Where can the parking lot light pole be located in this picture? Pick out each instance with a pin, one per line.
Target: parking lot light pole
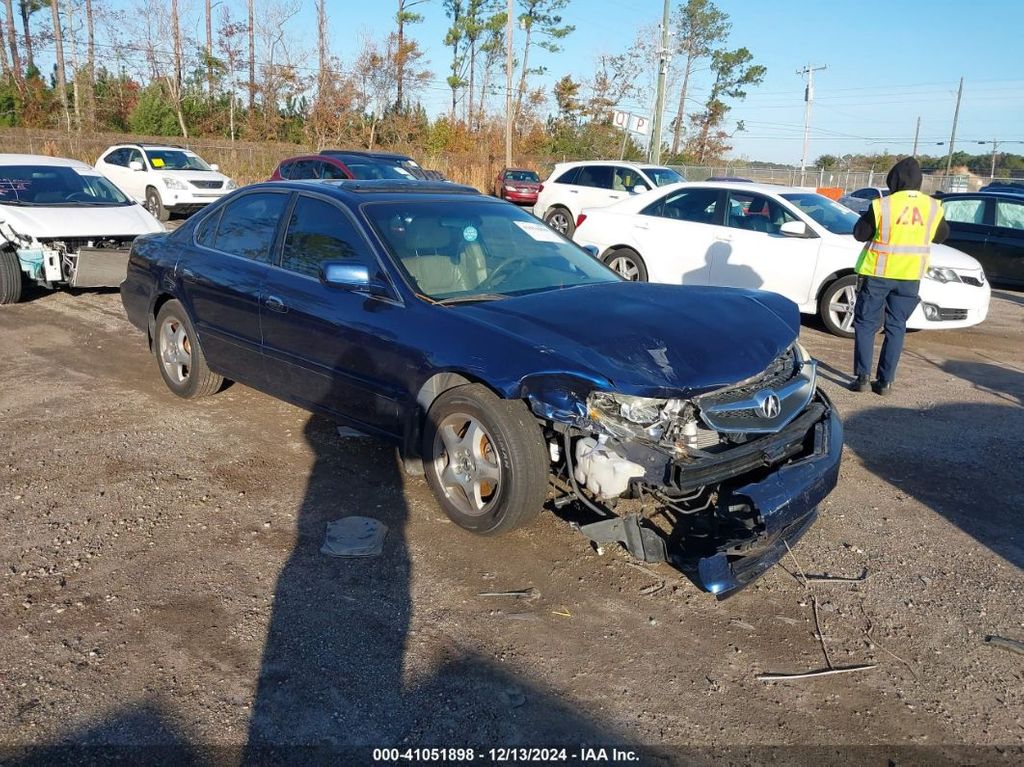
(659, 101)
(808, 72)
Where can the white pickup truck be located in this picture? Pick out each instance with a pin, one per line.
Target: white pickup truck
(63, 223)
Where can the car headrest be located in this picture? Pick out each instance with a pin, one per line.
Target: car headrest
(426, 234)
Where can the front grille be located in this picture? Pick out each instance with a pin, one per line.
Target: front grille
(764, 404)
(952, 314)
(971, 281)
(207, 184)
(75, 244)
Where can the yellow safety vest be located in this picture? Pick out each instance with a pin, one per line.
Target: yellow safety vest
(905, 223)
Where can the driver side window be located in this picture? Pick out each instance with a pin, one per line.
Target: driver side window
(697, 205)
(756, 213)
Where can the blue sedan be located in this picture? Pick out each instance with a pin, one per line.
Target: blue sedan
(505, 362)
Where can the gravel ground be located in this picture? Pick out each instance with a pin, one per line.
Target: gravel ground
(162, 584)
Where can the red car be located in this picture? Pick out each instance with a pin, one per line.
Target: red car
(333, 164)
(517, 185)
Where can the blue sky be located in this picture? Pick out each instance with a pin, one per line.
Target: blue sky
(888, 63)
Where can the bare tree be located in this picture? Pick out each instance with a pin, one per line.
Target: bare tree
(230, 47)
(209, 49)
(12, 43)
(58, 44)
(322, 46)
(252, 54)
(90, 67)
(403, 50)
(27, 8)
(5, 63)
(175, 81)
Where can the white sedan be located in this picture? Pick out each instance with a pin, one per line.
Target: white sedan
(785, 240)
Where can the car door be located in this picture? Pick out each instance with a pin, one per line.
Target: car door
(1006, 242)
(114, 165)
(676, 235)
(753, 253)
(222, 281)
(323, 347)
(969, 231)
(136, 181)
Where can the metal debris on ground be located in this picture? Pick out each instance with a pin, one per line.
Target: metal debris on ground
(810, 674)
(837, 578)
(653, 589)
(354, 537)
(348, 432)
(530, 594)
(1013, 645)
(563, 612)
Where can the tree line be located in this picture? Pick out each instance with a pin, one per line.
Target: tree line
(1006, 163)
(246, 69)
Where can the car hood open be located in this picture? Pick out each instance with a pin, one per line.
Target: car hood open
(650, 340)
(84, 221)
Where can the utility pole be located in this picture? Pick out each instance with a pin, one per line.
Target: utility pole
(508, 85)
(808, 72)
(917, 133)
(992, 174)
(659, 101)
(952, 136)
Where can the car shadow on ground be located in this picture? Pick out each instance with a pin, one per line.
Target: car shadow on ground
(976, 486)
(1009, 294)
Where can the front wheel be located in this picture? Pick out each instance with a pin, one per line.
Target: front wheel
(156, 206)
(179, 355)
(836, 306)
(561, 221)
(628, 264)
(485, 460)
(10, 277)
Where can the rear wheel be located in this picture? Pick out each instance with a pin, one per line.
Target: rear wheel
(836, 306)
(10, 277)
(155, 205)
(179, 355)
(628, 264)
(485, 460)
(560, 220)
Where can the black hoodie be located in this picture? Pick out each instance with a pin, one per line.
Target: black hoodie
(905, 176)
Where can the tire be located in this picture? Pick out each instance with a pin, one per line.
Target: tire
(561, 220)
(627, 263)
(835, 307)
(155, 205)
(10, 277)
(179, 356)
(495, 442)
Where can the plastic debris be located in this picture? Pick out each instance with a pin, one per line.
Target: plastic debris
(354, 537)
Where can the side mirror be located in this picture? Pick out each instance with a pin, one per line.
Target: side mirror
(591, 249)
(135, 165)
(349, 276)
(214, 166)
(639, 189)
(794, 229)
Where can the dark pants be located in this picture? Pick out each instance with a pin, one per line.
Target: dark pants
(897, 299)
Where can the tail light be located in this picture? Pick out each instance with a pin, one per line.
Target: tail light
(540, 189)
(580, 219)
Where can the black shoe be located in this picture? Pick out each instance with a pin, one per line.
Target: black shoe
(882, 388)
(860, 384)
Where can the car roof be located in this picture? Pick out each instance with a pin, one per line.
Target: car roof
(38, 159)
(354, 190)
(993, 193)
(627, 163)
(745, 186)
(366, 153)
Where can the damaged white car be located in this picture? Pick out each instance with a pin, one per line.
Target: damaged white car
(63, 223)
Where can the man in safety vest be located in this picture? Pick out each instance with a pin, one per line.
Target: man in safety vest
(898, 229)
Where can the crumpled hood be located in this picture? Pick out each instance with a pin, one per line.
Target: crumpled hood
(85, 221)
(650, 340)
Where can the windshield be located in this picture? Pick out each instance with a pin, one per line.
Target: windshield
(478, 250)
(175, 159)
(521, 175)
(837, 218)
(663, 176)
(46, 185)
(366, 169)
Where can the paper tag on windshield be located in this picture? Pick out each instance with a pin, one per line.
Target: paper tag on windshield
(538, 231)
(157, 162)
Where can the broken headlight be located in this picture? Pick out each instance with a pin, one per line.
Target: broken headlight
(624, 415)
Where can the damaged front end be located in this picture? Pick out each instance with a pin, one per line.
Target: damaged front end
(716, 484)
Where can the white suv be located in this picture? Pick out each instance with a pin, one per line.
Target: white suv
(574, 186)
(166, 179)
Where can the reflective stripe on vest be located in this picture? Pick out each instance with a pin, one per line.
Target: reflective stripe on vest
(902, 243)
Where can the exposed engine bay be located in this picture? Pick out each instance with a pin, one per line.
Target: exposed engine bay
(676, 479)
(81, 262)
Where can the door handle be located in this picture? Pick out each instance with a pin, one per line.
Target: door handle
(275, 304)
(574, 191)
(615, 197)
(723, 237)
(188, 274)
(641, 225)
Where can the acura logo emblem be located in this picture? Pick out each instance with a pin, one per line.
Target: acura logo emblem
(768, 403)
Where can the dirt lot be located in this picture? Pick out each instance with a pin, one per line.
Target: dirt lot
(162, 583)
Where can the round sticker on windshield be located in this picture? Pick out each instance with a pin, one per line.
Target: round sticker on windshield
(469, 234)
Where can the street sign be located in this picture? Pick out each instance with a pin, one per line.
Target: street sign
(621, 120)
(640, 125)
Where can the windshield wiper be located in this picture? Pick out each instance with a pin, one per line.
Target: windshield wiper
(469, 299)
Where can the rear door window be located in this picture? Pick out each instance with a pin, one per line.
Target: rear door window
(569, 177)
(305, 169)
(697, 205)
(285, 170)
(332, 171)
(599, 176)
(248, 225)
(1010, 215)
(626, 179)
(317, 232)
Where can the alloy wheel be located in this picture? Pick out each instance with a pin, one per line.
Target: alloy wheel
(467, 463)
(559, 222)
(175, 350)
(626, 268)
(841, 308)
